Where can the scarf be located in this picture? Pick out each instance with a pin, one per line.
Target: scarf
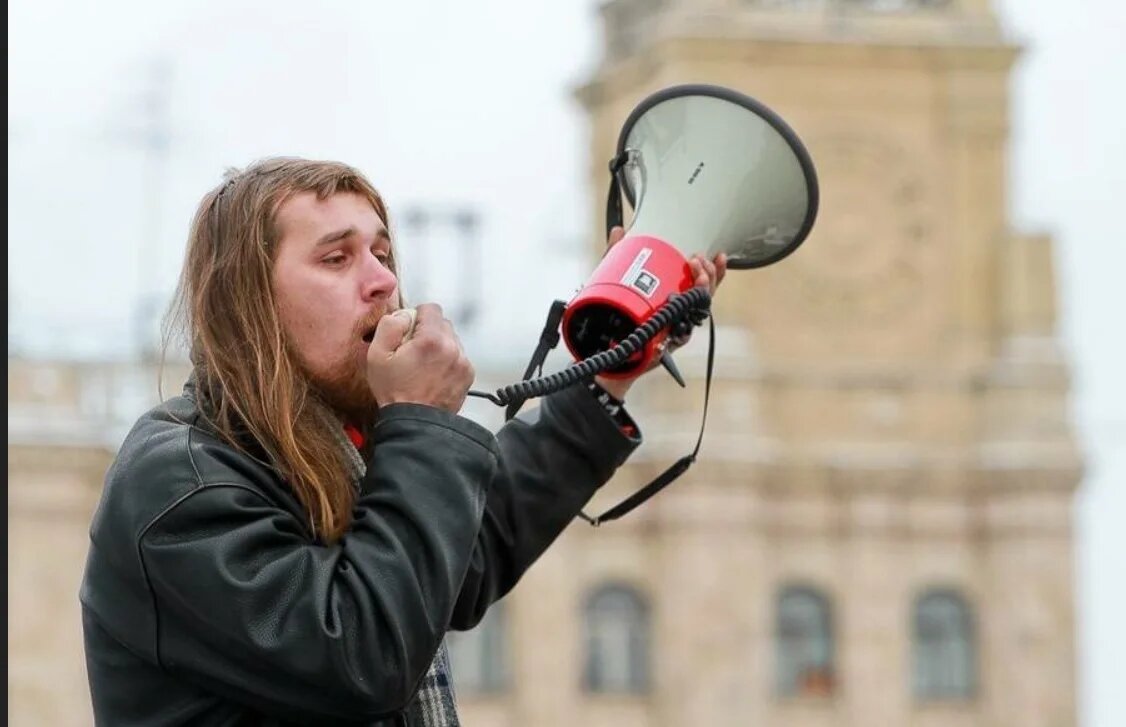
(434, 704)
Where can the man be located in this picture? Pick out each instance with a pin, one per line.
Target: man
(289, 540)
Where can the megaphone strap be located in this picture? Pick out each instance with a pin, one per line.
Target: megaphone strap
(549, 338)
(679, 467)
(675, 309)
(614, 215)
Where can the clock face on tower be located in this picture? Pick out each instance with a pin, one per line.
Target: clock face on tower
(866, 259)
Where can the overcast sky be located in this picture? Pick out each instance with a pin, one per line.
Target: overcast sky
(449, 104)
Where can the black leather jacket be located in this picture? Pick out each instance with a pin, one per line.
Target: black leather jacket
(206, 601)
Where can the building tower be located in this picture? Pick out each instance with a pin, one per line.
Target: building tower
(879, 529)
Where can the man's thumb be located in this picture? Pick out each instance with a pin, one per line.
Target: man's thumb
(393, 329)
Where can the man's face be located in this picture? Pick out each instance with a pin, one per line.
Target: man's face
(332, 285)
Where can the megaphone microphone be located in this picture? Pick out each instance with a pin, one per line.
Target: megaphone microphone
(707, 170)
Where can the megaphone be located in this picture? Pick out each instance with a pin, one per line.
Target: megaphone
(707, 170)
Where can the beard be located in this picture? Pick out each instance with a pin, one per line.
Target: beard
(345, 389)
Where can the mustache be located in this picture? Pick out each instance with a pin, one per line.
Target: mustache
(368, 323)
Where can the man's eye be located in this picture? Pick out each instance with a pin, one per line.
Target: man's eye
(333, 259)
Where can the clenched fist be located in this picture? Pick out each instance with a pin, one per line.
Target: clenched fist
(427, 367)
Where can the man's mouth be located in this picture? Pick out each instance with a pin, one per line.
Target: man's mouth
(370, 326)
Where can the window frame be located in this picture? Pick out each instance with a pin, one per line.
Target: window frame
(638, 651)
(926, 688)
(788, 648)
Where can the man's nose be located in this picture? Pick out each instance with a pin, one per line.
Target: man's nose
(378, 280)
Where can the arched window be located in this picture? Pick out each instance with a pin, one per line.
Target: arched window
(616, 631)
(479, 657)
(943, 642)
(804, 638)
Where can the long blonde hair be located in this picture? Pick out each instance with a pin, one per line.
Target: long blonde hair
(249, 382)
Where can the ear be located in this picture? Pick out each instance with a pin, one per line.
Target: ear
(616, 234)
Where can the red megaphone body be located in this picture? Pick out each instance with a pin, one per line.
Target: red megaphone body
(635, 277)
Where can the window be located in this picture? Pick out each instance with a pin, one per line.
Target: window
(804, 638)
(943, 643)
(479, 658)
(616, 625)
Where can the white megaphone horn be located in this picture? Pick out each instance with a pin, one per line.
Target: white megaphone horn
(707, 170)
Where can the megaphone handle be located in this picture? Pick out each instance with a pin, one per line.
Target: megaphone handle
(671, 367)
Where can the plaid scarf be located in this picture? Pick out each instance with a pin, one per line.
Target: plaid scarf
(434, 704)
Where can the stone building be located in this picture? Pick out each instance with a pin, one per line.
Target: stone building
(879, 528)
(65, 421)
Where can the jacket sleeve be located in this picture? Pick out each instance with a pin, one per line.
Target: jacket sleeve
(249, 608)
(552, 460)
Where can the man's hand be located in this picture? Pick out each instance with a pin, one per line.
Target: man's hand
(428, 368)
(707, 274)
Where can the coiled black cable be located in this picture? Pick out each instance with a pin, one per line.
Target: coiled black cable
(677, 308)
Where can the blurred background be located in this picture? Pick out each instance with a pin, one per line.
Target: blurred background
(905, 512)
